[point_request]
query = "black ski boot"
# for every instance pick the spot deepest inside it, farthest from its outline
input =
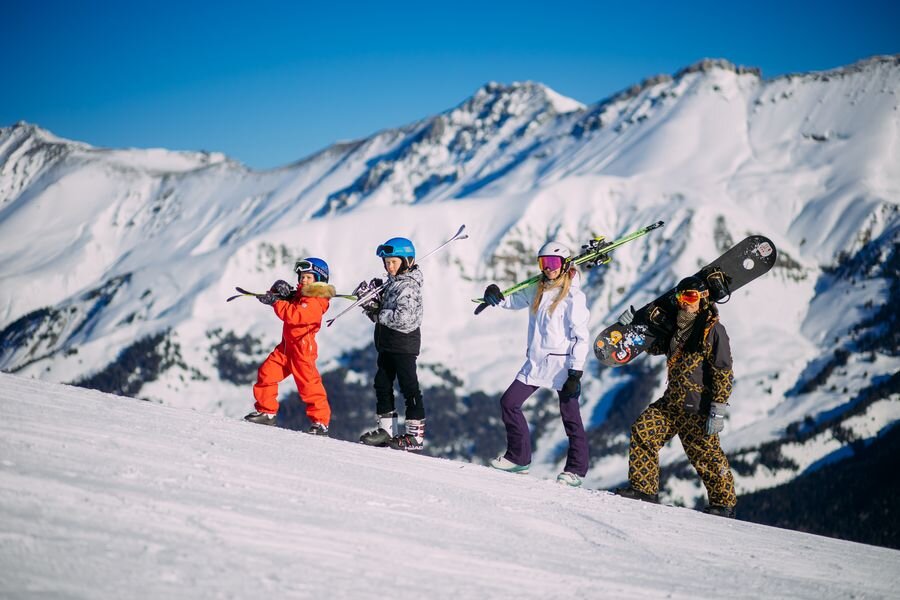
(406, 442)
(630, 492)
(382, 434)
(414, 438)
(261, 418)
(720, 511)
(318, 429)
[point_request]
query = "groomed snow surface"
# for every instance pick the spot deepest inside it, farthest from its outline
(109, 497)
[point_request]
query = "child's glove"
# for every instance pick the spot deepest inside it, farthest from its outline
(372, 304)
(492, 295)
(572, 387)
(282, 289)
(371, 309)
(268, 298)
(715, 422)
(365, 287)
(361, 289)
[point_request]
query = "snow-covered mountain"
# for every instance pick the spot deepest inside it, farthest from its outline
(115, 263)
(107, 497)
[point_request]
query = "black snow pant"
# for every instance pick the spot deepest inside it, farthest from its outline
(402, 367)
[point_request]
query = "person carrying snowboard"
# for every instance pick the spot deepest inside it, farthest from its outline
(693, 406)
(397, 313)
(555, 356)
(301, 310)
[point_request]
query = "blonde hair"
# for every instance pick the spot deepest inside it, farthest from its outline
(562, 283)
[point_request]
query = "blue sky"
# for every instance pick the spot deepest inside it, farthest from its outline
(269, 83)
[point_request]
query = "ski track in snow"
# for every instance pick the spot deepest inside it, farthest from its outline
(109, 497)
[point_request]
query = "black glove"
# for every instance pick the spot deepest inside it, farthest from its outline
(371, 309)
(715, 422)
(268, 298)
(373, 304)
(572, 387)
(492, 295)
(626, 317)
(282, 289)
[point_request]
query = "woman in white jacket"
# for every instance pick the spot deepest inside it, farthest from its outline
(557, 348)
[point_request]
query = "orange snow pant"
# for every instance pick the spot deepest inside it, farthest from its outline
(275, 369)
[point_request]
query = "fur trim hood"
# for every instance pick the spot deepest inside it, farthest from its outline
(318, 289)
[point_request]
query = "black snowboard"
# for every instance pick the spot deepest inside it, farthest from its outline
(618, 345)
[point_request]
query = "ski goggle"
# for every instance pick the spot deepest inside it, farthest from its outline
(690, 296)
(305, 266)
(302, 266)
(384, 250)
(550, 262)
(388, 250)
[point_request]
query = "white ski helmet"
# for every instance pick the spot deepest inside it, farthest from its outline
(554, 248)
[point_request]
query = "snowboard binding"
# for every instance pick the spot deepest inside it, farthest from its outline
(718, 281)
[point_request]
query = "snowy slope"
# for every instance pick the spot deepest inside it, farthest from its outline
(111, 254)
(106, 497)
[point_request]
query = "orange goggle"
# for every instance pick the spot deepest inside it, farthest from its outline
(690, 296)
(550, 262)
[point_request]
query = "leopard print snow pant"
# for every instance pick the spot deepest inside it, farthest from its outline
(658, 424)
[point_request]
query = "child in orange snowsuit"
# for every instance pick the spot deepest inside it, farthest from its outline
(302, 311)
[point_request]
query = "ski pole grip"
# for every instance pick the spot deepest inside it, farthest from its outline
(481, 307)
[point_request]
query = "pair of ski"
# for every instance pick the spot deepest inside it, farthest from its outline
(242, 293)
(369, 293)
(595, 252)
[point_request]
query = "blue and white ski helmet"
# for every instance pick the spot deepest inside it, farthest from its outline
(316, 266)
(398, 246)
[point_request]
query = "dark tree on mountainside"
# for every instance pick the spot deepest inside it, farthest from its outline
(855, 499)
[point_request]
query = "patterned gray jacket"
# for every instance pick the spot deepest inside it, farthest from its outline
(400, 315)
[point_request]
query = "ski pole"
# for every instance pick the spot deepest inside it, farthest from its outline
(594, 253)
(459, 235)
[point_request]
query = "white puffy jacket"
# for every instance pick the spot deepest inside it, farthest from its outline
(557, 342)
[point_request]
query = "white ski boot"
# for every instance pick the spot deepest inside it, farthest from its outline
(569, 479)
(501, 463)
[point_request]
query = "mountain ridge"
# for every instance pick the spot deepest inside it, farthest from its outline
(132, 265)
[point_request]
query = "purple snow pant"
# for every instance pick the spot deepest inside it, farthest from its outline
(518, 439)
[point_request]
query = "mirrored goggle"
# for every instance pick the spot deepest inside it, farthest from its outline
(550, 262)
(690, 296)
(384, 250)
(302, 266)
